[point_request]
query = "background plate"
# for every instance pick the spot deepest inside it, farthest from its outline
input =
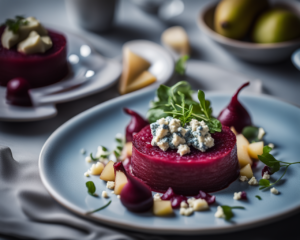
(62, 167)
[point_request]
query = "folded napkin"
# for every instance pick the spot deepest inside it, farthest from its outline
(28, 211)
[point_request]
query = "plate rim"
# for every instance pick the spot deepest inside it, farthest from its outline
(159, 230)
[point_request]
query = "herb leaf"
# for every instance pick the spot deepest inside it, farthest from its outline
(181, 105)
(274, 165)
(258, 197)
(228, 211)
(14, 24)
(180, 64)
(98, 209)
(94, 159)
(91, 188)
(250, 133)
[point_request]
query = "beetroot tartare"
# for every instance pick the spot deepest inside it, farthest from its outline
(208, 171)
(40, 69)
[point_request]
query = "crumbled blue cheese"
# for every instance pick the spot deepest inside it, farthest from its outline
(274, 191)
(88, 159)
(271, 145)
(243, 178)
(253, 181)
(266, 175)
(237, 196)
(168, 133)
(219, 213)
(119, 196)
(87, 173)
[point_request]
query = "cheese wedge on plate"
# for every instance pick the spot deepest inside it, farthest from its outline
(177, 39)
(143, 80)
(133, 66)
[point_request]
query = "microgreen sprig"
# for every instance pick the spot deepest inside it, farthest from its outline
(258, 197)
(274, 165)
(185, 114)
(228, 211)
(99, 209)
(14, 24)
(101, 156)
(180, 64)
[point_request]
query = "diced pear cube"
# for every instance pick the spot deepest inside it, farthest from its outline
(242, 150)
(233, 130)
(97, 168)
(162, 208)
(120, 182)
(247, 171)
(108, 173)
(255, 149)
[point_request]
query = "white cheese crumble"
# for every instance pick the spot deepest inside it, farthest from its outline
(104, 194)
(119, 196)
(88, 159)
(261, 133)
(243, 178)
(200, 205)
(186, 211)
(274, 191)
(168, 133)
(102, 152)
(156, 197)
(266, 175)
(253, 181)
(183, 204)
(87, 174)
(219, 213)
(82, 151)
(110, 184)
(112, 192)
(237, 196)
(271, 145)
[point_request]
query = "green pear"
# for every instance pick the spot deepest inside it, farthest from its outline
(233, 18)
(276, 25)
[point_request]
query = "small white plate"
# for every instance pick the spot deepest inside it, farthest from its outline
(82, 57)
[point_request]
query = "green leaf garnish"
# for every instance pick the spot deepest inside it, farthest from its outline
(228, 211)
(94, 159)
(91, 188)
(14, 24)
(99, 209)
(119, 140)
(258, 197)
(180, 64)
(274, 165)
(177, 101)
(117, 154)
(250, 133)
(104, 149)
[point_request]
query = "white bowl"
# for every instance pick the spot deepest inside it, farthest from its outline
(253, 52)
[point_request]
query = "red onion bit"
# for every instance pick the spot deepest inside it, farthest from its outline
(244, 195)
(135, 125)
(168, 194)
(266, 169)
(210, 199)
(176, 201)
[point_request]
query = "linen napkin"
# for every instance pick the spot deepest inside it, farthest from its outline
(28, 211)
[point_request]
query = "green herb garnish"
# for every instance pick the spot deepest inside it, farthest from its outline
(228, 211)
(258, 197)
(177, 101)
(98, 209)
(94, 159)
(274, 165)
(14, 24)
(180, 64)
(250, 133)
(91, 188)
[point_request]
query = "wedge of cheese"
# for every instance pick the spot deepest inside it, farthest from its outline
(177, 39)
(143, 80)
(133, 66)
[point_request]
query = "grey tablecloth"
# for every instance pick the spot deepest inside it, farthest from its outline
(28, 211)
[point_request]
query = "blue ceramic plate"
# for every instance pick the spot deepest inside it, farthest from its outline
(62, 166)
